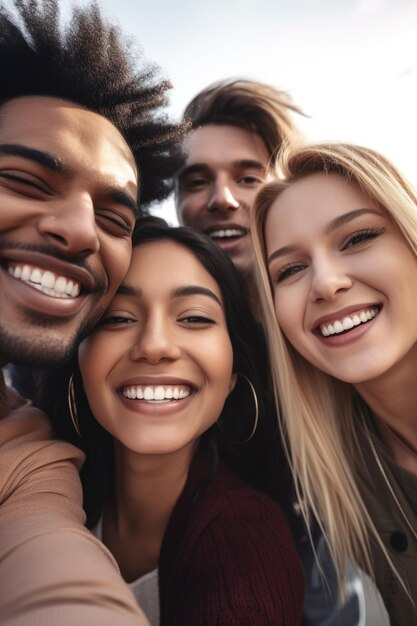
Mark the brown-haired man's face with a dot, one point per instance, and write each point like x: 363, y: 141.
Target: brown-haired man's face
x: 217, y: 186
x: 68, y: 189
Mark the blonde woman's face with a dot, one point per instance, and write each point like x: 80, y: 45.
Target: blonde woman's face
x: 343, y: 278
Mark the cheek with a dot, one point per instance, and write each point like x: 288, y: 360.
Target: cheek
x: 115, y: 257
x: 289, y: 315
x: 87, y: 363
x: 96, y: 359
x: 225, y: 371
x: 285, y: 313
x: 187, y: 211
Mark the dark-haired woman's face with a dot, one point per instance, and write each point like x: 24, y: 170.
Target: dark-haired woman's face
x: 344, y: 279
x: 158, y: 368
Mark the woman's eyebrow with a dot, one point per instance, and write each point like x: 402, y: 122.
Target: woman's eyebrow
x: 346, y: 218
x: 128, y: 290
x: 339, y: 221
x: 179, y: 292
x: 192, y: 290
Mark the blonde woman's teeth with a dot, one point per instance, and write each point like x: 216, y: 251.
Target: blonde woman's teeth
x: 159, y: 393
x: 350, y: 321
x: 46, y: 281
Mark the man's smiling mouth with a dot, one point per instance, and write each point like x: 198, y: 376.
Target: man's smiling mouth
x: 227, y: 233
x: 50, y: 283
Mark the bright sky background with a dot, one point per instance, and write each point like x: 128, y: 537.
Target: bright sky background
x: 350, y: 64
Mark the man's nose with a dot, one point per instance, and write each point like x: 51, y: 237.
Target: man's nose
x: 222, y: 198
x: 71, y: 225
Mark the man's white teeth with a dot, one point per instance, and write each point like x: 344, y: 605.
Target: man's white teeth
x: 45, y: 281
x: 158, y: 393
x: 348, y: 322
x: 228, y: 232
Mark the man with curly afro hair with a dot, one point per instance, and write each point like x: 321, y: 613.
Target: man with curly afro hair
x: 84, y: 142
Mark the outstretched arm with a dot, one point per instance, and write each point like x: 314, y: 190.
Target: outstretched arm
x: 52, y: 570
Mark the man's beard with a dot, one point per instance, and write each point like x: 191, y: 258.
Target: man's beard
x: 30, y: 344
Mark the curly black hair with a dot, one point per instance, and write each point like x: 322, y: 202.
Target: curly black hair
x: 89, y: 62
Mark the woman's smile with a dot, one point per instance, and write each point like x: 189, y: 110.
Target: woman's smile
x: 162, y: 350
x: 343, y: 279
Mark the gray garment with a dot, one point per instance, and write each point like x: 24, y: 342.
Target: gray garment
x: 321, y: 607
x: 363, y: 606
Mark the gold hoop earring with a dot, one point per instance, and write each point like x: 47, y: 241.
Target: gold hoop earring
x: 72, y: 405
x: 255, y: 400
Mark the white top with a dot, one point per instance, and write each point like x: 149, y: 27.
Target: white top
x: 145, y: 589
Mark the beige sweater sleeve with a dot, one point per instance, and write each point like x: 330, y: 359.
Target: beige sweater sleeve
x: 52, y: 570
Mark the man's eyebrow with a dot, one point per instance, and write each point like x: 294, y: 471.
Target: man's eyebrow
x: 333, y: 225
x: 192, y: 290
x: 239, y: 164
x: 194, y: 168
x: 54, y: 163
x: 249, y: 164
x: 121, y: 197
x: 45, y: 159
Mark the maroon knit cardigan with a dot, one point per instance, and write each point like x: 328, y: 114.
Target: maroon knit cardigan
x: 227, y: 557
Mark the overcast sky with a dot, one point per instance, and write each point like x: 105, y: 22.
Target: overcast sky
x: 350, y: 64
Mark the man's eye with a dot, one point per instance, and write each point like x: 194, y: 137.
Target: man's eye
x: 20, y: 181
x: 361, y: 236
x: 115, y: 223
x: 251, y: 180
x: 195, y: 184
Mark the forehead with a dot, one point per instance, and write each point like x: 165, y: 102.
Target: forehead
x: 318, y: 198
x: 164, y: 265
x: 79, y: 137
x: 216, y: 144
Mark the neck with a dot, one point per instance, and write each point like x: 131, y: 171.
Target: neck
x: 147, y: 488
x: 393, y: 400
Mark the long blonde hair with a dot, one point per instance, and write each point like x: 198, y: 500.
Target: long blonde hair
x: 316, y: 411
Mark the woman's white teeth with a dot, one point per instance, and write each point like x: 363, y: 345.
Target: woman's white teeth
x: 159, y: 393
x: 45, y: 281
x: 348, y: 322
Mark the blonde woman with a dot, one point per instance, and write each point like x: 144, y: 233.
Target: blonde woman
x: 336, y: 247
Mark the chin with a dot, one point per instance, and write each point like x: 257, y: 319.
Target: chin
x: 37, y: 350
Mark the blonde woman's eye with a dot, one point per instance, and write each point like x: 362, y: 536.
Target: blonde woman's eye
x: 288, y: 270
x: 362, y: 235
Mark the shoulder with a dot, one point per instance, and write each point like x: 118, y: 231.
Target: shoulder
x: 26, y: 435
x: 237, y: 557
x: 36, y: 470
x: 240, y: 512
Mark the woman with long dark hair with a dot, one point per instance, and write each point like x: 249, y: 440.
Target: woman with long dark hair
x: 168, y: 402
